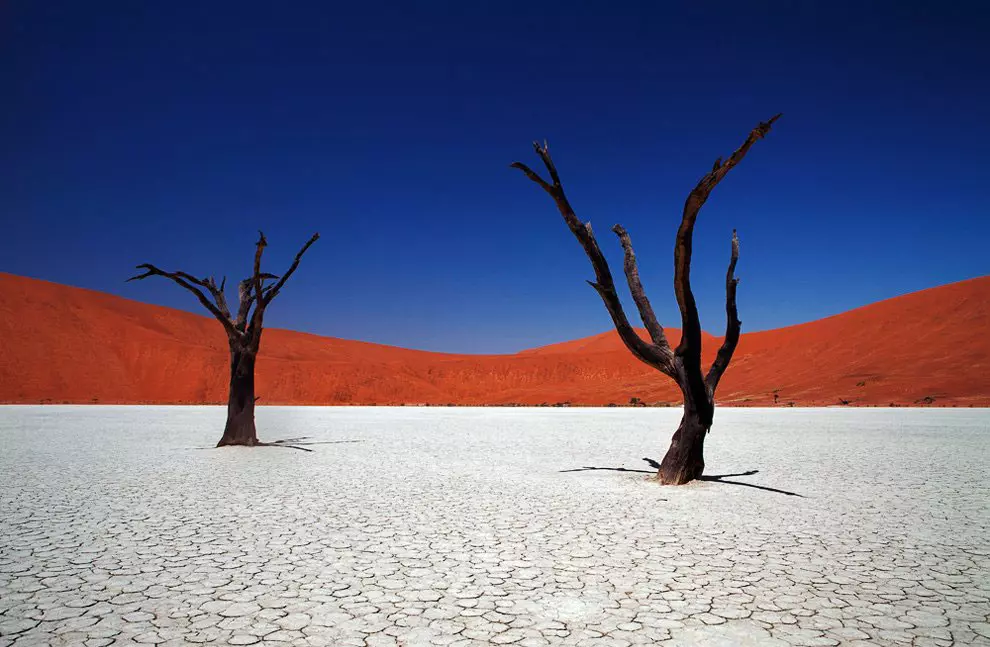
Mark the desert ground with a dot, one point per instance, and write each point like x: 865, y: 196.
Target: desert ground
x: 457, y: 526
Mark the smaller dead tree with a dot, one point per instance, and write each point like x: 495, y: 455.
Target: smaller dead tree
x: 243, y: 331
x: 684, y: 460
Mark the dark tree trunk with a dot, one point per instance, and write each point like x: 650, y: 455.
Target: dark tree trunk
x: 685, y: 458
x: 240, y: 429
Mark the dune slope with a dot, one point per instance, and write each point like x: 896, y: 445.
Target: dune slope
x: 65, y: 344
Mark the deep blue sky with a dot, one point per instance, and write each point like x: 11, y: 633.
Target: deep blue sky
x: 170, y: 132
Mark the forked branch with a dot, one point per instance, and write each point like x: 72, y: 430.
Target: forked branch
x: 218, y: 295
x: 263, y: 296
x: 684, y: 363
x: 245, y: 296
x: 251, y: 292
x: 651, y: 354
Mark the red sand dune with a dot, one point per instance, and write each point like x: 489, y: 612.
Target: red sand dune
x: 65, y: 344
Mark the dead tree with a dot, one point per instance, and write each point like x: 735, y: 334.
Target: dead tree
x: 243, y: 332
x: 684, y: 460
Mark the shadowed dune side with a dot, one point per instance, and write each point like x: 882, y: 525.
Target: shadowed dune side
x: 65, y: 344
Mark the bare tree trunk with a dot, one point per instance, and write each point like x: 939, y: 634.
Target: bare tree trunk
x: 685, y: 458
x: 240, y: 429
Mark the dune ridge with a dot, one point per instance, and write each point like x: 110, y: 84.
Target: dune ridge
x: 63, y: 344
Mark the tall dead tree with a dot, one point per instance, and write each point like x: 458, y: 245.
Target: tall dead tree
x: 684, y: 460
x: 243, y: 332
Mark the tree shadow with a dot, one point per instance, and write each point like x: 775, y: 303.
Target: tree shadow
x: 286, y: 444
x: 720, y: 478
x: 611, y: 469
x: 296, y: 443
x: 714, y: 478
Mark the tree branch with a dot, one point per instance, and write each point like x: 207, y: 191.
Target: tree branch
x: 642, y: 302
x: 219, y: 296
x: 244, y: 301
x: 273, y: 291
x: 534, y: 176
x: 189, y: 282
x: 211, y: 285
x: 603, y: 284
x: 689, y: 348
x: 732, y: 327
x: 259, y: 308
x: 245, y: 298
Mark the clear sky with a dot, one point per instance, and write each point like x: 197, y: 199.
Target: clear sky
x: 170, y: 132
